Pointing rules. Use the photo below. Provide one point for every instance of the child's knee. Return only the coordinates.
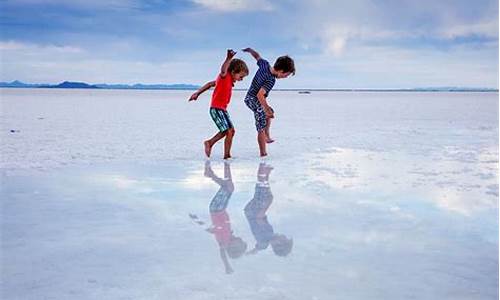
(231, 132)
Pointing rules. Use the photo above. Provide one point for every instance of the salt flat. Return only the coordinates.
(106, 194)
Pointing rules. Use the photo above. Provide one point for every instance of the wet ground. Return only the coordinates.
(346, 224)
(106, 195)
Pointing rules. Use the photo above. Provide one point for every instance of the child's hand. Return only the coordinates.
(194, 97)
(230, 53)
(269, 112)
(252, 52)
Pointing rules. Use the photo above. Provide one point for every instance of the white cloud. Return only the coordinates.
(394, 173)
(362, 66)
(11, 45)
(35, 48)
(53, 64)
(336, 45)
(79, 3)
(355, 67)
(236, 5)
(484, 28)
(337, 27)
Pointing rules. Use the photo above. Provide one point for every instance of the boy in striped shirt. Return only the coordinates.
(232, 70)
(262, 84)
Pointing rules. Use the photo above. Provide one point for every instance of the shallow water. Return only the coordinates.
(133, 232)
(394, 206)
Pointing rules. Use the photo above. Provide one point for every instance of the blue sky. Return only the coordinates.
(336, 44)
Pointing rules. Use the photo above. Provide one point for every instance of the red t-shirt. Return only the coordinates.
(221, 227)
(222, 92)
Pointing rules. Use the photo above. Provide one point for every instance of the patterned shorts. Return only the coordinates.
(260, 201)
(258, 112)
(221, 119)
(220, 200)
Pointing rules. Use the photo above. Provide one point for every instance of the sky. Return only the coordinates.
(335, 44)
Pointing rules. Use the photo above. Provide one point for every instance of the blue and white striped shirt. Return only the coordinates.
(263, 79)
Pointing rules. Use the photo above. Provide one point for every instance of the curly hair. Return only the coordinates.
(237, 66)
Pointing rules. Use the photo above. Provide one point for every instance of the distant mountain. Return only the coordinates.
(71, 85)
(16, 83)
(19, 84)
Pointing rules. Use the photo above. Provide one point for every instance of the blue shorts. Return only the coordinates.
(261, 200)
(258, 112)
(221, 119)
(220, 200)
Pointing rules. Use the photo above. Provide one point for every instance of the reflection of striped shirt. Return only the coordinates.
(255, 212)
(263, 79)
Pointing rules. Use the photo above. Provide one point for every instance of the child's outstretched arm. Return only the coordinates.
(261, 96)
(227, 266)
(225, 65)
(254, 53)
(200, 91)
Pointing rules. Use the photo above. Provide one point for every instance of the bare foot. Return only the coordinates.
(227, 156)
(263, 154)
(208, 148)
(269, 140)
(208, 171)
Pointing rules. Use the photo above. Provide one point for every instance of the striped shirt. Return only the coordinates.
(263, 79)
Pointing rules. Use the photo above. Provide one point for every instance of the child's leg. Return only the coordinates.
(223, 122)
(261, 139)
(227, 171)
(263, 172)
(260, 124)
(268, 126)
(209, 143)
(228, 142)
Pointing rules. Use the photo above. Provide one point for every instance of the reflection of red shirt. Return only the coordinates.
(222, 92)
(222, 227)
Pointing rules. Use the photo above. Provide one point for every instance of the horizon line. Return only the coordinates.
(190, 86)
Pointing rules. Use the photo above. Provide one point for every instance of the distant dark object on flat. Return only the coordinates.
(304, 92)
(72, 85)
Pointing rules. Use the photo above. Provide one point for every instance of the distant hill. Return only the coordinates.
(71, 85)
(19, 84)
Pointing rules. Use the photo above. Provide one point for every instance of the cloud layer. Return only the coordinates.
(335, 43)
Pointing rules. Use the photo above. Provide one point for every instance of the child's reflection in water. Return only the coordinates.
(229, 244)
(255, 211)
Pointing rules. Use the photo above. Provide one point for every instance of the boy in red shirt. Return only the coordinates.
(232, 70)
(229, 244)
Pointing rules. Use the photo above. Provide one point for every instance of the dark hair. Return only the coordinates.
(283, 246)
(285, 64)
(237, 65)
(237, 246)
